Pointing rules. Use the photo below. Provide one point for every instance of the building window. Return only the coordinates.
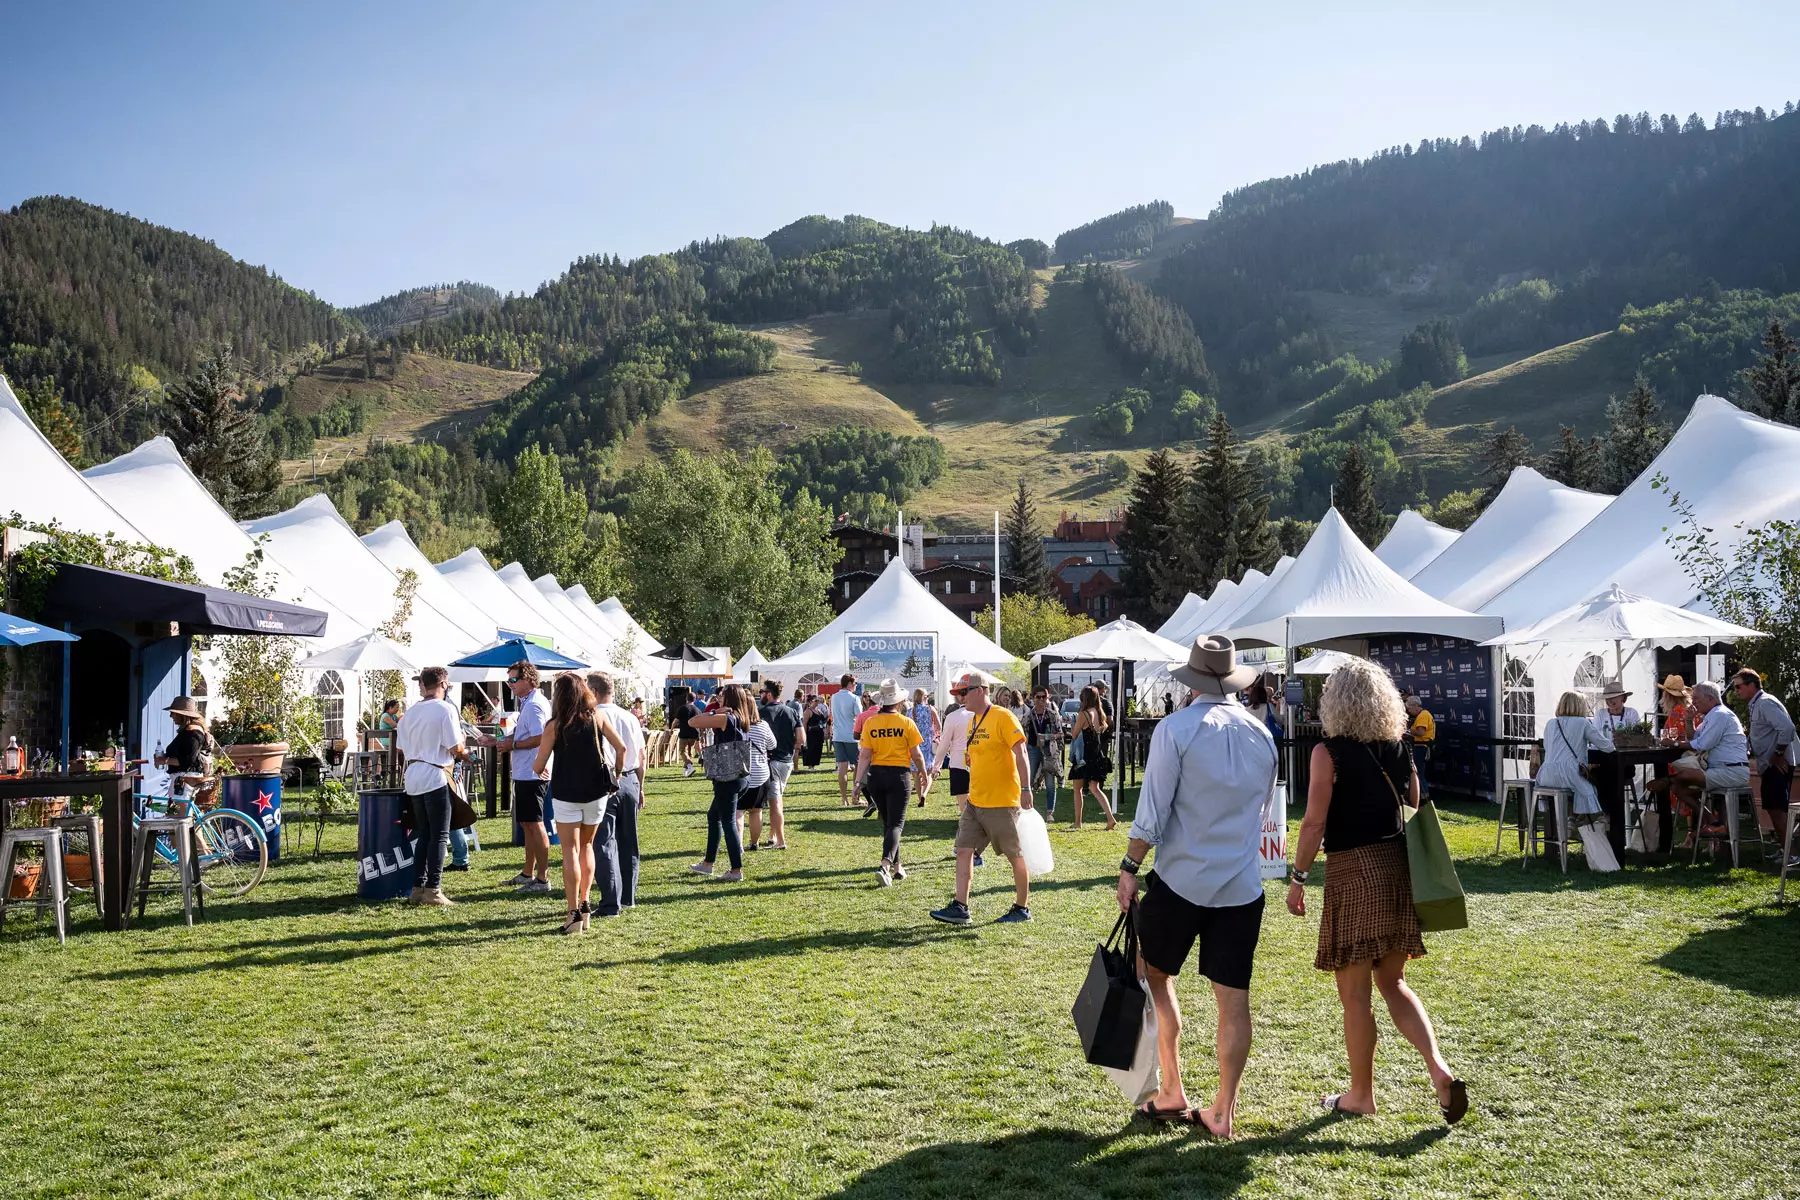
(330, 691)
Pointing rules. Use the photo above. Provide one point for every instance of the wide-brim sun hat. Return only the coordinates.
(1674, 685)
(888, 693)
(1614, 688)
(183, 706)
(1212, 666)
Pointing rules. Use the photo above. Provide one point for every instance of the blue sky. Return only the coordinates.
(358, 149)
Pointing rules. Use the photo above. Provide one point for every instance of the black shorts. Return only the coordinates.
(753, 797)
(959, 782)
(1776, 787)
(528, 800)
(1169, 925)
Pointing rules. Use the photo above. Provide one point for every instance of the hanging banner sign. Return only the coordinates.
(909, 659)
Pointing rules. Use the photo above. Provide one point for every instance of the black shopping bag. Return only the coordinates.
(1109, 1009)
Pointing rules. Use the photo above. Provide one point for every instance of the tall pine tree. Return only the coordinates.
(1025, 560)
(221, 439)
(1574, 462)
(1635, 435)
(1147, 541)
(1775, 379)
(1504, 453)
(1354, 498)
(1224, 519)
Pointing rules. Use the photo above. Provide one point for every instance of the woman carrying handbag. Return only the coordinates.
(729, 762)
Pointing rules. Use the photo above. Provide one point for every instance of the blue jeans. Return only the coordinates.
(721, 821)
(1422, 763)
(459, 847)
(431, 825)
(616, 850)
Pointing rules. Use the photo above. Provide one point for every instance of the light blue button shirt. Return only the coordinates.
(1210, 771)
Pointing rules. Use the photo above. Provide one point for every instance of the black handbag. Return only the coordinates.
(1109, 1009)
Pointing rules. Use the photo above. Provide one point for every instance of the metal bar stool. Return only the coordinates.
(1562, 806)
(53, 893)
(1787, 855)
(1516, 792)
(87, 825)
(180, 832)
(1730, 803)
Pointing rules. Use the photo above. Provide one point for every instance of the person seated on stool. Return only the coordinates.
(186, 756)
(1617, 714)
(1720, 735)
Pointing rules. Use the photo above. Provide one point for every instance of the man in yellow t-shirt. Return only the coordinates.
(1423, 728)
(999, 789)
(889, 744)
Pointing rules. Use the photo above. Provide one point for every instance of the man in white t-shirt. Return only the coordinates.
(846, 706)
(616, 841)
(528, 787)
(430, 738)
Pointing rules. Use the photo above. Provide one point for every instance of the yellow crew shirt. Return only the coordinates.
(1424, 728)
(890, 739)
(993, 775)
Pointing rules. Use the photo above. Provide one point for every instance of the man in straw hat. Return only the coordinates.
(999, 789)
(1210, 772)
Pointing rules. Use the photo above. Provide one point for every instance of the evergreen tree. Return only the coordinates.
(1224, 527)
(1504, 453)
(1354, 498)
(1574, 462)
(1147, 541)
(1432, 353)
(1025, 546)
(542, 522)
(1775, 379)
(43, 403)
(1635, 434)
(221, 437)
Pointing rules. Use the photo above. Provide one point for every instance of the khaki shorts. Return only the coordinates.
(979, 826)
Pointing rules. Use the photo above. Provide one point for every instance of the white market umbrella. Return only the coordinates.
(1324, 662)
(371, 652)
(1618, 616)
(1123, 640)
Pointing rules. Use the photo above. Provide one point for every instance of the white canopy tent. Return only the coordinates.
(40, 485)
(1412, 543)
(1323, 662)
(1248, 596)
(370, 652)
(1186, 611)
(615, 609)
(1337, 589)
(174, 509)
(895, 603)
(395, 548)
(1122, 641)
(570, 639)
(472, 577)
(1223, 594)
(751, 660)
(650, 674)
(1530, 517)
(321, 548)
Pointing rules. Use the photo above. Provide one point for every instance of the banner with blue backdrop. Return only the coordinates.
(1454, 679)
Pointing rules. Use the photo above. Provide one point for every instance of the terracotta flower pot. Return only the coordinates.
(259, 759)
(25, 880)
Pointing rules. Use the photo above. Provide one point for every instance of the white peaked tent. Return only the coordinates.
(753, 660)
(1123, 640)
(1248, 594)
(570, 639)
(174, 509)
(1412, 543)
(1530, 517)
(615, 609)
(599, 636)
(650, 672)
(39, 484)
(1729, 466)
(1190, 607)
(472, 577)
(895, 603)
(1337, 589)
(1220, 599)
(313, 541)
(394, 547)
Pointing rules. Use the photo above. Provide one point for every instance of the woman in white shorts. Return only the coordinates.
(581, 785)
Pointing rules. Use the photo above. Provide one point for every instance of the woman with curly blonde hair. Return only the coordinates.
(1361, 776)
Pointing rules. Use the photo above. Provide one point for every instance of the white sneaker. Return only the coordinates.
(687, 771)
(702, 868)
(882, 877)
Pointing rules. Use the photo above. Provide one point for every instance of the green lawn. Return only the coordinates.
(805, 1034)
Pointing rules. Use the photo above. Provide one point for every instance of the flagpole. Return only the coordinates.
(997, 640)
(900, 528)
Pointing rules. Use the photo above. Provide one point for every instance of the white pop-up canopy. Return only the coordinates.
(1530, 517)
(895, 603)
(1734, 470)
(395, 547)
(174, 509)
(370, 652)
(1412, 543)
(39, 484)
(1337, 588)
(1123, 641)
(1324, 662)
(1616, 615)
(321, 548)
(470, 574)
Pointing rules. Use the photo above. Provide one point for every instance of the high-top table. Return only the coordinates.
(115, 814)
(1611, 770)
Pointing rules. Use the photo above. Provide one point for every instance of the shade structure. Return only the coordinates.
(648, 672)
(1324, 662)
(1184, 631)
(1123, 639)
(1528, 520)
(599, 635)
(1250, 590)
(79, 594)
(40, 485)
(17, 631)
(1337, 588)
(681, 652)
(395, 548)
(1616, 615)
(1184, 612)
(615, 609)
(1413, 542)
(1734, 470)
(174, 509)
(370, 652)
(752, 660)
(505, 653)
(470, 574)
(319, 546)
(895, 603)
(569, 638)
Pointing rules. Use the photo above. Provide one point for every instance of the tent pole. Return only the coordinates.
(1119, 739)
(997, 640)
(65, 700)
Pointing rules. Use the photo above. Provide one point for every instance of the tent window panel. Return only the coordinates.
(1590, 680)
(330, 691)
(1518, 699)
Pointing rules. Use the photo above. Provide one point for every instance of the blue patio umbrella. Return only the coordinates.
(505, 654)
(17, 631)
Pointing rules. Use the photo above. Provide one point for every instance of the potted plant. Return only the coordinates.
(1633, 737)
(251, 747)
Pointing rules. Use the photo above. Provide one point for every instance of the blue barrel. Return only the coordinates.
(258, 797)
(384, 851)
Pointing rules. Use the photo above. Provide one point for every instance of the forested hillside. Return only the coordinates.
(1129, 231)
(416, 306)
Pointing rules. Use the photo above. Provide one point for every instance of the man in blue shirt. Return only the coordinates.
(528, 787)
(1208, 778)
(846, 706)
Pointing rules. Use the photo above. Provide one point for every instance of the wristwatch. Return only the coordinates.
(1130, 865)
(1296, 876)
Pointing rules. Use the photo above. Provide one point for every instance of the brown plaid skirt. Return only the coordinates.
(1368, 910)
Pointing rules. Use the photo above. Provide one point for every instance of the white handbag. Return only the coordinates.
(1140, 1081)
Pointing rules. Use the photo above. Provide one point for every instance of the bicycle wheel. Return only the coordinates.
(234, 852)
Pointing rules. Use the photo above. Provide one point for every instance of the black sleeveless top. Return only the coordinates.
(1363, 810)
(578, 775)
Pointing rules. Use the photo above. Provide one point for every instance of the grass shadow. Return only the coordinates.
(897, 938)
(1754, 953)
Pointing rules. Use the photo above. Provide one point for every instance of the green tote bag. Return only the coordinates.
(1436, 892)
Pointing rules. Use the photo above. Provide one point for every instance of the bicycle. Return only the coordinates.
(233, 849)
